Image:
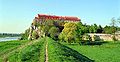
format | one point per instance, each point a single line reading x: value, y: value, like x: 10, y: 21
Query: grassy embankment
x: 106, y: 52
x: 33, y: 52
x: 60, y: 53
x: 7, y: 46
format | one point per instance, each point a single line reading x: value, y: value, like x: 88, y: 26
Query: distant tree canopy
x: 9, y: 35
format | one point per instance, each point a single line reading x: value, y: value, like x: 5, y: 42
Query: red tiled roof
x: 53, y: 17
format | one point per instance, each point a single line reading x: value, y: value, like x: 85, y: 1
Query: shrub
x: 86, y: 37
x: 54, y: 31
x: 69, y: 33
x: 35, y: 35
x: 114, y: 39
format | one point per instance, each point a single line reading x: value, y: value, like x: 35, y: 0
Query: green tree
x: 95, y: 28
x: 100, y: 29
x: 49, y: 22
x: 107, y: 30
x: 69, y: 32
x: 61, y: 36
x: 25, y: 35
x: 92, y: 29
x: 81, y: 30
x: 54, y: 31
x: 45, y: 29
x: 45, y: 26
x: 114, y: 24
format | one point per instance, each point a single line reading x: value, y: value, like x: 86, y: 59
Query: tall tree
x: 81, y: 30
x: 113, y: 24
x: 92, y: 29
x: 69, y: 33
x: 100, y: 29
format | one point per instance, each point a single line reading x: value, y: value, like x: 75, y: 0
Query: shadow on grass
x: 93, y: 43
x: 72, y: 55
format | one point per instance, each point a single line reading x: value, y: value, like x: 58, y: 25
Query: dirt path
x: 5, y: 56
x: 46, y: 53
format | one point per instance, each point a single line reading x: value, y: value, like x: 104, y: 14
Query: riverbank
x: 8, y: 38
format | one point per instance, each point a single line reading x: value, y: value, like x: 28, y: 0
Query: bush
x: 69, y: 33
x: 54, y: 31
x: 35, y: 35
x: 86, y: 37
x: 114, y: 39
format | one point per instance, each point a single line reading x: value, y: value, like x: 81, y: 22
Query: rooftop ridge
x: 54, y: 17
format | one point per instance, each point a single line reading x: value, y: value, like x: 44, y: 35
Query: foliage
x: 9, y: 35
x: 108, y: 29
x: 81, y: 29
x: 61, y: 37
x: 35, y: 23
x: 24, y: 36
x: 69, y: 32
x: 86, y: 37
x: 35, y: 35
x: 46, y: 29
x: 113, y: 24
x: 49, y: 22
x: 114, y: 38
x: 93, y: 28
x: 100, y: 29
x: 46, y: 26
x: 54, y: 32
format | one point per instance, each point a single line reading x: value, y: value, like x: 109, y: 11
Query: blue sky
x: 17, y: 15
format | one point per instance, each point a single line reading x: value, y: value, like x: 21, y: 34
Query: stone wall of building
x: 105, y: 37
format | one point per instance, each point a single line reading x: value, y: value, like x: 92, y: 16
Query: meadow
x: 8, y: 46
x: 24, y: 50
x: 30, y: 53
x: 34, y: 51
x: 61, y: 53
x: 106, y: 52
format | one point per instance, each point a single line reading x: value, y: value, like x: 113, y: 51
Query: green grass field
x: 10, y: 45
x: 31, y: 53
x: 34, y: 51
x: 23, y: 51
x: 60, y: 53
x: 107, y: 52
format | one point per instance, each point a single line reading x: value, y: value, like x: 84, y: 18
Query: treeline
x: 77, y: 32
x: 98, y: 28
x: 66, y: 31
x: 9, y: 35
